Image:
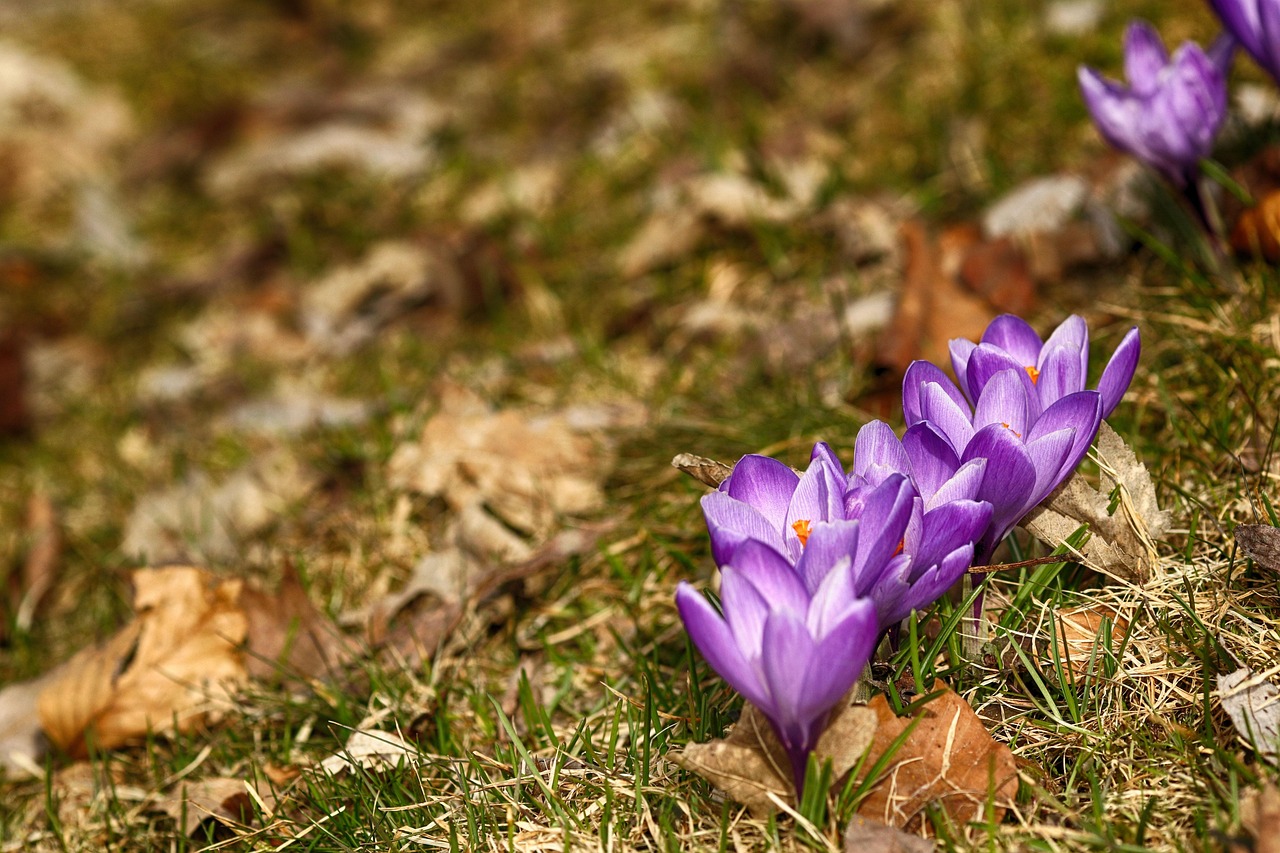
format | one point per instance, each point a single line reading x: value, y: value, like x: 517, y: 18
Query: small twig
x: 1021, y: 564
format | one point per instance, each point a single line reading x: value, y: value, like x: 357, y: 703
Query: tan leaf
x: 1262, y: 543
x: 1260, y: 817
x: 169, y: 667
x: 22, y: 743
x: 706, y: 471
x: 1122, y: 544
x: 1080, y: 640
x: 1253, y: 703
x: 371, y: 749
x: 869, y: 836
x: 949, y: 759
x: 287, y: 636
x: 225, y: 800
x: 40, y: 569
x: 750, y: 764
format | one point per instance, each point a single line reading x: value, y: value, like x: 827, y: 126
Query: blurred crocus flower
x: 795, y: 638
x: 1054, y: 368
x: 1172, y: 109
x: 1028, y: 451
x: 1255, y: 24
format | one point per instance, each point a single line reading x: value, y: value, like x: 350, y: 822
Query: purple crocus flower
x: 1028, y: 452
x: 1054, y: 368
x: 795, y: 637
x: 1255, y: 24
x: 1171, y: 111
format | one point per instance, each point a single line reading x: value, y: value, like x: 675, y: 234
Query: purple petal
x: 1241, y: 19
x: 1115, y: 111
x: 953, y: 420
x: 1269, y: 41
x: 829, y: 543
x: 771, y: 574
x: 1060, y: 375
x: 933, y: 460
x: 1191, y: 107
x: 883, y: 524
x: 935, y: 580
x: 1222, y: 52
x: 731, y: 522
x: 765, y: 484
x: 962, y: 486
x: 832, y: 599
x: 1050, y: 455
x: 1007, y: 486
x: 822, y: 451
x: 788, y: 653
x: 876, y: 445
x: 988, y: 360
x: 745, y: 610
x: 1006, y: 401
x: 819, y: 497
x: 1015, y: 336
x: 961, y: 349
x: 949, y: 527
x: 710, y: 633
x: 843, y: 653
x: 918, y: 375
x: 1072, y: 336
x: 1118, y: 373
x: 1144, y: 57
x: 1081, y: 412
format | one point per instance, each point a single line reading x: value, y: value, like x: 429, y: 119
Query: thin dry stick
x: 1021, y: 564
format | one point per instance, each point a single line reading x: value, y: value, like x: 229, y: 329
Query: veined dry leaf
x: 171, y: 666
x: 1260, y: 817
x: 220, y: 799
x: 1262, y: 543
x: 706, y: 471
x: 1257, y: 231
x: 750, y: 764
x: 371, y: 749
x: 1254, y: 707
x: 949, y: 759
x: 287, y: 636
x: 1123, y: 543
x: 40, y: 569
x: 22, y: 743
x: 869, y: 836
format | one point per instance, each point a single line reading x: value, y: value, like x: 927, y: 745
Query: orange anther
x: 803, y: 528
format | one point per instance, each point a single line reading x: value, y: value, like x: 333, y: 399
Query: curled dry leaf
x: 1253, y: 704
x: 22, y: 743
x: 1262, y: 543
x: 1122, y: 544
x: 1260, y: 817
x: 750, y: 764
x: 171, y: 667
x: 949, y: 759
x: 1081, y: 640
x: 288, y: 637
x: 869, y: 836
x: 706, y: 471
x: 225, y: 800
x: 40, y: 569
x: 371, y: 749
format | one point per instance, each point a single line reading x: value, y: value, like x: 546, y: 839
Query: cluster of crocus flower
x: 817, y: 567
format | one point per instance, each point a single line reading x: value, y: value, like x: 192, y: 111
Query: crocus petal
x: 919, y: 374
x: 771, y: 574
x: 953, y: 420
x: 1060, y: 374
x: 764, y: 483
x: 1222, y: 52
x: 837, y: 592
x: 988, y: 360
x: 1072, y: 336
x: 1081, y: 412
x: 933, y: 460
x: 877, y: 445
x: 819, y: 497
x: 963, y: 485
x: 1015, y: 336
x: 1144, y: 57
x: 1241, y: 19
x: 948, y: 527
x: 829, y: 543
x: 822, y: 451
x: 1196, y: 101
x: 730, y: 522
x: 1115, y: 112
x: 1006, y: 401
x: 884, y: 521
x: 1050, y: 455
x: 1269, y: 40
x: 842, y: 653
x: 745, y: 610
x: 961, y: 349
x: 710, y: 633
x: 934, y: 582
x: 788, y: 653
x: 1118, y: 373
x: 1007, y: 486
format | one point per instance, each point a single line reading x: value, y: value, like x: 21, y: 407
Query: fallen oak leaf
x: 1253, y: 704
x: 1124, y: 532
x: 1261, y: 542
x: 949, y: 758
x: 751, y: 766
x: 167, y: 669
x: 709, y: 472
x: 1081, y: 638
x: 869, y: 836
x: 227, y: 801
x: 288, y: 637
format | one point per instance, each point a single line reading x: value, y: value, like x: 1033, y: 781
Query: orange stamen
x: 1006, y: 426
x: 803, y: 528
x: 902, y: 543
x: 1032, y: 372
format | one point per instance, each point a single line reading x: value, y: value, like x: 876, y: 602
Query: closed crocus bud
x: 1255, y: 24
x: 1171, y: 110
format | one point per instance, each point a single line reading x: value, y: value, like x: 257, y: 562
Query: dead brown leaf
x: 40, y: 569
x: 1253, y: 703
x: 222, y: 799
x: 751, y: 766
x: 949, y: 759
x: 371, y: 749
x: 170, y: 667
x: 288, y: 637
x: 1122, y: 544
x: 1257, y: 231
x: 709, y: 472
x: 1080, y: 640
x: 932, y: 307
x: 869, y: 836
x: 1261, y: 542
x: 22, y: 743
x: 1260, y: 817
